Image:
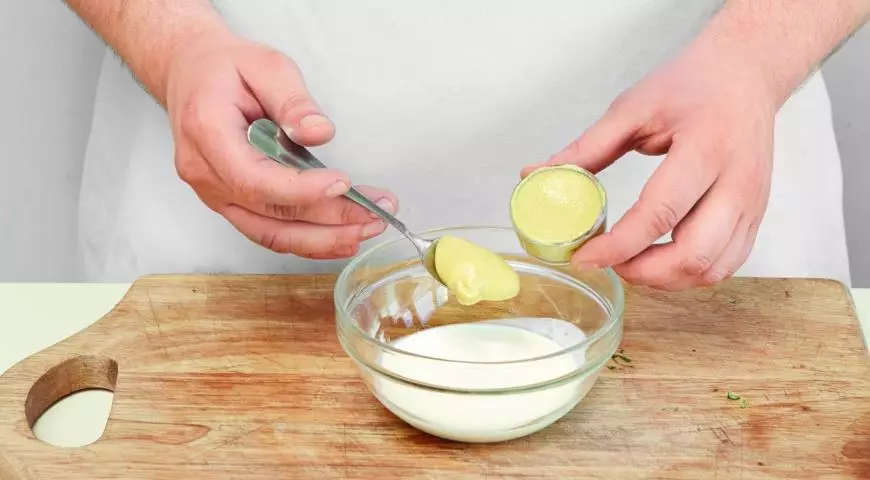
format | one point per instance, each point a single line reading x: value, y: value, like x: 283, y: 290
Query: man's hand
x: 213, y: 84
x: 215, y: 87
x: 711, y: 190
x: 711, y: 110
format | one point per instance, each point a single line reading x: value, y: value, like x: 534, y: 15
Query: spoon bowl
x: 270, y: 140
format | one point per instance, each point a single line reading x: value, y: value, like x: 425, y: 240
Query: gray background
x: 50, y: 64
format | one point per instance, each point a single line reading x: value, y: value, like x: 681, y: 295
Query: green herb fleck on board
x: 611, y: 367
x: 734, y: 301
x: 744, y: 403
x: 732, y: 396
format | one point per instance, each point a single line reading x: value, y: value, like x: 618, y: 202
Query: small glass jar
x: 559, y: 253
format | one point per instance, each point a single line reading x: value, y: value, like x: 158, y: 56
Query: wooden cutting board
x: 243, y: 377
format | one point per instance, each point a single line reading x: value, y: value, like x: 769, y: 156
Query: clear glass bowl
x: 489, y: 372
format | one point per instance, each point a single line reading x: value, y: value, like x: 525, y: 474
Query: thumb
x: 600, y: 145
x: 279, y: 87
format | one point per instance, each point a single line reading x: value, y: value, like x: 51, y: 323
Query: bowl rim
x: 615, y: 317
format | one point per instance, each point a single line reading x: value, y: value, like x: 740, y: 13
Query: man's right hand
x: 215, y: 87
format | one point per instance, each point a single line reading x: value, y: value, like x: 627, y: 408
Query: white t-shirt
x: 442, y: 103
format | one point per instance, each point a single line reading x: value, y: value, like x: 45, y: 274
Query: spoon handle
x: 266, y: 137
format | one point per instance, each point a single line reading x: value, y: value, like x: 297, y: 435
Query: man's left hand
x: 715, y: 124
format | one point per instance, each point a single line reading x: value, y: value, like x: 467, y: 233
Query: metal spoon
x: 269, y: 139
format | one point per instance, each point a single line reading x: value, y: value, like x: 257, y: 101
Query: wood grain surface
x: 243, y: 378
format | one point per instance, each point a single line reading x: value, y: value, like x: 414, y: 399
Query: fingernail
x: 336, y: 189
x: 312, y: 121
x: 386, y: 204
x: 373, y: 229
x: 713, y: 277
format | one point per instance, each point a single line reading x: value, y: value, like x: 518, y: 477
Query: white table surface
x: 34, y: 316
